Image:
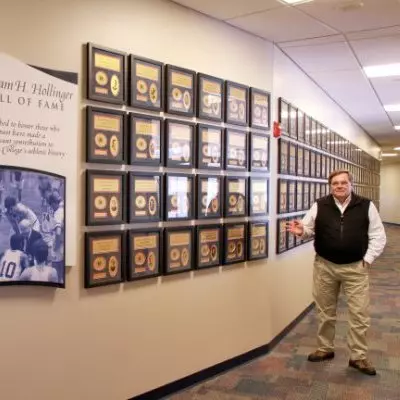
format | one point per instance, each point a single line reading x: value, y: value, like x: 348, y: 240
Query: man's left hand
x: 366, y: 264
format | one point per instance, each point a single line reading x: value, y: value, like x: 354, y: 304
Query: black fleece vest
x: 342, y: 239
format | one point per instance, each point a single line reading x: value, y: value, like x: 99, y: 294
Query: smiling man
x: 348, y: 237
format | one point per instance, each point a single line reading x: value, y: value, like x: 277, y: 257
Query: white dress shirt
x: 376, y: 230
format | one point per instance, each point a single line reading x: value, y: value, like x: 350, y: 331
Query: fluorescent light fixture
x: 376, y: 71
x: 397, y: 127
x: 295, y: 1
x: 389, y: 154
x: 392, y: 107
x: 396, y: 148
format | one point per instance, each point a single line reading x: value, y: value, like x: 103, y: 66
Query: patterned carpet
x: 285, y: 373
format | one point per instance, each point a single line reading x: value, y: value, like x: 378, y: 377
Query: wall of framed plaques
x: 308, y: 152
x: 182, y: 148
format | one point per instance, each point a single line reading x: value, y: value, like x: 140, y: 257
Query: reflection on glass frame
x: 292, y: 158
x: 313, y: 132
x: 260, y: 109
x: 317, y: 191
x: 323, y: 190
x: 306, y: 164
x: 209, y: 150
x: 292, y: 122
x: 178, y: 250
x: 235, y: 196
x: 145, y: 197
x: 318, y: 165
x: 291, y: 196
x: 237, y: 103
x: 235, y: 242
x: 235, y: 149
x: 104, y: 258
x: 146, y: 83
x: 105, y: 197
x: 300, y: 161
x: 282, y: 196
x: 258, y: 204
x: 144, y: 254
x: 257, y: 245
x: 105, y: 135
x: 306, y: 195
x: 106, y: 74
x: 312, y: 193
x: 290, y: 237
x: 323, y: 166
x: 318, y: 134
x: 312, y: 164
x: 282, y: 235
x: 301, y: 126
x: 180, y: 91
x: 299, y: 195
x: 259, y: 152
x: 283, y: 157
x: 211, y: 97
x: 179, y: 144
x: 145, y: 137
x: 179, y: 197
x: 284, y: 116
x: 307, y: 129
x: 209, y: 247
x: 209, y: 196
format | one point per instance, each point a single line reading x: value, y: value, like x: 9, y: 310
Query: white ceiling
x: 331, y: 40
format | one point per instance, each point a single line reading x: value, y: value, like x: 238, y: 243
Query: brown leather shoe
x: 363, y: 366
x: 319, y: 355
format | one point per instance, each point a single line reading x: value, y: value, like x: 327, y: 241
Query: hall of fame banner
x: 38, y: 173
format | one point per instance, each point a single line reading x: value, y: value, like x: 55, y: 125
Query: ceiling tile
x: 225, y: 9
x: 374, y: 33
x: 282, y: 24
x: 388, y: 89
x: 313, y: 41
x: 372, y: 15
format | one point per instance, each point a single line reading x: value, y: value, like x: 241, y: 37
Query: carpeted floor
x: 285, y: 373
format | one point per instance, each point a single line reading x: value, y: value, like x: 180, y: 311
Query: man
x: 14, y: 260
x: 348, y: 237
x: 16, y: 212
x: 30, y: 237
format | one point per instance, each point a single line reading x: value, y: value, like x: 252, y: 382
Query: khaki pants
x: 354, y: 278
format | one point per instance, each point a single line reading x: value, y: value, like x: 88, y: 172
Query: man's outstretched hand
x: 296, y: 227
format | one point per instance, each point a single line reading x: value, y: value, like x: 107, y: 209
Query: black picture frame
x: 292, y: 121
x: 235, y: 196
x: 299, y: 196
x: 107, y: 201
x: 291, y: 196
x: 312, y: 164
x: 180, y: 91
x: 106, y: 74
x: 306, y: 163
x: 283, y: 114
x: 258, y: 240
x: 210, y: 98
x: 318, y: 165
x: 145, y: 248
x: 179, y: 249
x: 210, y: 154
x: 260, y: 109
x: 281, y: 235
x: 301, y: 126
x: 235, y: 243
x: 258, y: 196
x: 209, y: 246
x: 236, y: 157
x: 291, y: 239
x: 283, y: 156
x: 300, y: 161
x: 105, y: 136
x: 146, y: 140
x: 101, y: 266
x: 306, y: 196
x: 292, y: 158
x: 313, y: 133
x: 307, y: 128
x: 259, y: 152
x: 236, y: 103
x: 181, y: 198
x: 208, y: 205
x: 180, y: 140
x: 312, y: 193
x: 145, y: 197
x: 283, y: 198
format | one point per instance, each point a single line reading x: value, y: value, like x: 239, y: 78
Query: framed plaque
x: 235, y: 149
x: 324, y: 140
x: 292, y: 122
x: 180, y: 91
x: 312, y: 193
x: 209, y: 150
x: 328, y: 189
x: 105, y: 197
x: 300, y: 161
x: 313, y: 132
x: 237, y: 104
x: 146, y: 89
x: 323, y: 166
x: 179, y: 197
x: 208, y: 246
x: 235, y: 196
x: 323, y: 190
x: 145, y: 197
x: 282, y: 196
x: 306, y: 196
x: 318, y: 132
x: 104, y: 258
x: 312, y: 164
x: 290, y: 237
x: 105, y: 136
x: 106, y: 75
x: 179, y: 249
x: 235, y: 241
x: 258, y: 204
x: 292, y: 196
x: 299, y: 195
x: 209, y: 196
x: 306, y: 164
x: 260, y: 109
x: 211, y: 97
x: 283, y: 149
x: 257, y: 247
x: 179, y: 144
x: 282, y: 236
x: 284, y: 116
x: 318, y: 165
x: 259, y: 152
x: 144, y: 254
x: 317, y: 191
x: 292, y: 158
x: 307, y: 128
x: 301, y: 136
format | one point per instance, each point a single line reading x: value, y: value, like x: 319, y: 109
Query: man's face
x: 25, y: 231
x: 341, y: 186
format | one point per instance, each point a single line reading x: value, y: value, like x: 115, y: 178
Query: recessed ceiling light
x: 396, y: 148
x: 392, y: 107
x: 376, y: 71
x: 295, y: 1
x: 397, y: 127
x: 389, y: 154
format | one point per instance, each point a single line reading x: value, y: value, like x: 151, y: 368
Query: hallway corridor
x: 285, y: 373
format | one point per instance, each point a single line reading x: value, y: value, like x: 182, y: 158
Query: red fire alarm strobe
x: 277, y: 129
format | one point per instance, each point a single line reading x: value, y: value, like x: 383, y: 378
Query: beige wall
x: 390, y: 192
x: 112, y: 343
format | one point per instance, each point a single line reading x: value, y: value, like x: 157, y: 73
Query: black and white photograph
x: 32, y: 227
